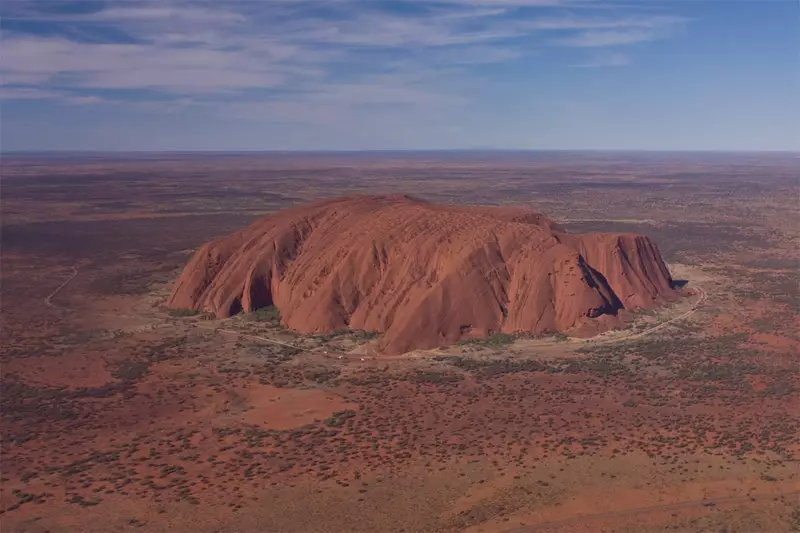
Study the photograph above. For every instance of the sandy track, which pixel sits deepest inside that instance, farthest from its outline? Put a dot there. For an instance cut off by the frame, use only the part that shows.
(703, 295)
(48, 301)
(248, 336)
(699, 303)
(618, 338)
(577, 520)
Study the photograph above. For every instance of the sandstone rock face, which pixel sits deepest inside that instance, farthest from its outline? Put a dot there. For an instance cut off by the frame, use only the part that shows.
(424, 275)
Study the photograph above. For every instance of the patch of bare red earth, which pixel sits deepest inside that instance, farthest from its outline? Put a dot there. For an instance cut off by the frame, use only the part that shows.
(81, 369)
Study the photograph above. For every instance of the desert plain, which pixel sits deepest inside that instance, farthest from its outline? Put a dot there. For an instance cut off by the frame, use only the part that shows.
(121, 414)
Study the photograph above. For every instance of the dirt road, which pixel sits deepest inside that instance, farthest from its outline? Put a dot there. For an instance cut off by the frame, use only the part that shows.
(248, 336)
(697, 305)
(607, 339)
(48, 301)
(582, 519)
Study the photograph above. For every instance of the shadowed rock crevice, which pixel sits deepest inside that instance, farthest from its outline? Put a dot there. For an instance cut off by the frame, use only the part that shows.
(418, 272)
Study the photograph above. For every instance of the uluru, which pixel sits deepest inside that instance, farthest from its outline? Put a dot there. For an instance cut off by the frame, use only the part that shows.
(423, 274)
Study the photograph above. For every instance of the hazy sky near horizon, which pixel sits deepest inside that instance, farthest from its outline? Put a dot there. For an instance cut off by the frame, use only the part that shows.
(370, 74)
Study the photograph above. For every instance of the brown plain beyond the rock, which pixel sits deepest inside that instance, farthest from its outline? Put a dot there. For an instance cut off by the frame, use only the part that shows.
(423, 274)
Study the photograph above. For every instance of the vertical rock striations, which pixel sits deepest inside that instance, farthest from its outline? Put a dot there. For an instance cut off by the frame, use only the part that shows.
(423, 274)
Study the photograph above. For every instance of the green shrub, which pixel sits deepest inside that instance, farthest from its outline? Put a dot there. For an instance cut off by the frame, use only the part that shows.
(266, 314)
(496, 339)
(183, 312)
(435, 377)
(364, 335)
(339, 418)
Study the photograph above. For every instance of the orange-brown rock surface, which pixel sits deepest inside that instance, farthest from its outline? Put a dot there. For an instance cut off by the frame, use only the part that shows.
(423, 274)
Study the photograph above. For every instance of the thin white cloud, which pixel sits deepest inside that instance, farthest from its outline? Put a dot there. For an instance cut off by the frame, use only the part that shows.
(614, 59)
(32, 93)
(515, 3)
(357, 94)
(590, 32)
(182, 14)
(465, 55)
(593, 23)
(349, 54)
(133, 66)
(382, 29)
(603, 38)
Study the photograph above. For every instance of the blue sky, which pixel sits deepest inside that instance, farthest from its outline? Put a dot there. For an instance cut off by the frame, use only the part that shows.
(369, 74)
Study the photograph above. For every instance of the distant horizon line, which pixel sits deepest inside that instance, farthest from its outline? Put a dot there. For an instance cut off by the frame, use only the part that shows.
(401, 150)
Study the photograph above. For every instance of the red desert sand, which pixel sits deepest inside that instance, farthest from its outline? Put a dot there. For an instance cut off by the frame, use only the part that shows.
(423, 274)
